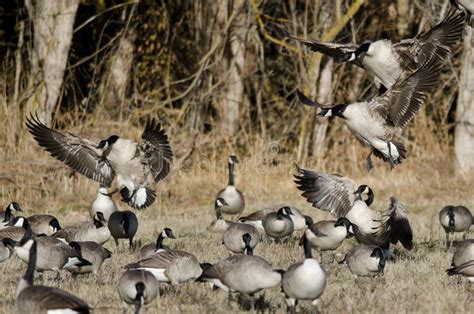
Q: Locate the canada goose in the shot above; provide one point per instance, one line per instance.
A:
(44, 224)
(463, 260)
(342, 197)
(150, 249)
(173, 267)
(327, 235)
(7, 215)
(468, 7)
(244, 273)
(455, 219)
(18, 228)
(32, 298)
(305, 280)
(375, 122)
(220, 224)
(366, 260)
(233, 197)
(137, 287)
(6, 247)
(123, 225)
(233, 236)
(256, 218)
(91, 251)
(103, 203)
(95, 231)
(279, 224)
(388, 61)
(132, 164)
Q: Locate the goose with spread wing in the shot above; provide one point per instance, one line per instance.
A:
(375, 122)
(342, 197)
(134, 166)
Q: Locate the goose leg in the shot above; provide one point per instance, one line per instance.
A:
(315, 306)
(229, 297)
(370, 164)
(291, 305)
(130, 244)
(451, 242)
(446, 243)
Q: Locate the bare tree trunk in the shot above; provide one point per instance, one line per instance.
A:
(324, 96)
(464, 132)
(403, 16)
(53, 23)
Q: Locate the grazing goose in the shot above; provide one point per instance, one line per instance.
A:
(135, 166)
(123, 225)
(7, 215)
(375, 122)
(44, 224)
(279, 224)
(103, 203)
(17, 228)
(233, 197)
(468, 7)
(366, 260)
(463, 260)
(137, 287)
(455, 219)
(93, 252)
(95, 231)
(150, 249)
(173, 267)
(388, 61)
(220, 224)
(305, 280)
(256, 218)
(6, 247)
(32, 298)
(235, 234)
(342, 197)
(327, 235)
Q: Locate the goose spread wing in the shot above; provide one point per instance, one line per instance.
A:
(339, 52)
(329, 192)
(77, 153)
(157, 150)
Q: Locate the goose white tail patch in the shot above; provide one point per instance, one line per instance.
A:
(393, 151)
(61, 311)
(71, 262)
(140, 197)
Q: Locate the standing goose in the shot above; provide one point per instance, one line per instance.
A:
(342, 197)
(233, 197)
(366, 260)
(220, 224)
(93, 252)
(96, 231)
(327, 235)
(234, 239)
(150, 249)
(32, 298)
(256, 218)
(137, 287)
(463, 260)
(103, 203)
(44, 224)
(455, 219)
(7, 215)
(123, 225)
(135, 166)
(279, 225)
(388, 61)
(305, 280)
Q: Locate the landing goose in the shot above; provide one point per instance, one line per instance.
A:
(327, 235)
(123, 225)
(44, 224)
(375, 122)
(388, 61)
(305, 280)
(96, 231)
(137, 287)
(342, 197)
(232, 196)
(7, 214)
(455, 219)
(150, 249)
(91, 251)
(134, 166)
(220, 224)
(366, 260)
(103, 203)
(463, 260)
(32, 298)
(468, 7)
(278, 224)
(234, 239)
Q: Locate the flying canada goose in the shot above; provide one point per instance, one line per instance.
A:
(6, 247)
(463, 260)
(135, 166)
(468, 7)
(342, 197)
(123, 225)
(455, 219)
(95, 231)
(305, 280)
(220, 224)
(137, 287)
(18, 227)
(103, 203)
(233, 197)
(256, 218)
(150, 249)
(388, 61)
(375, 122)
(91, 251)
(279, 225)
(32, 298)
(242, 273)
(172, 266)
(7, 215)
(234, 235)
(44, 224)
(366, 260)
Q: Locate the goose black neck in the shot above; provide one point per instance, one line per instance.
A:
(370, 197)
(159, 242)
(28, 233)
(8, 214)
(230, 165)
(218, 214)
(307, 248)
(30, 270)
(98, 224)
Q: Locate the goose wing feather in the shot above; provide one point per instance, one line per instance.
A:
(157, 150)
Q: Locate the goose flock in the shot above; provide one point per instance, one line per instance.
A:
(406, 74)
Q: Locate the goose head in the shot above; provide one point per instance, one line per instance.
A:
(364, 190)
(361, 51)
(308, 221)
(380, 256)
(99, 219)
(54, 224)
(284, 212)
(233, 159)
(13, 206)
(344, 222)
(337, 110)
(167, 233)
(352, 230)
(247, 238)
(107, 143)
